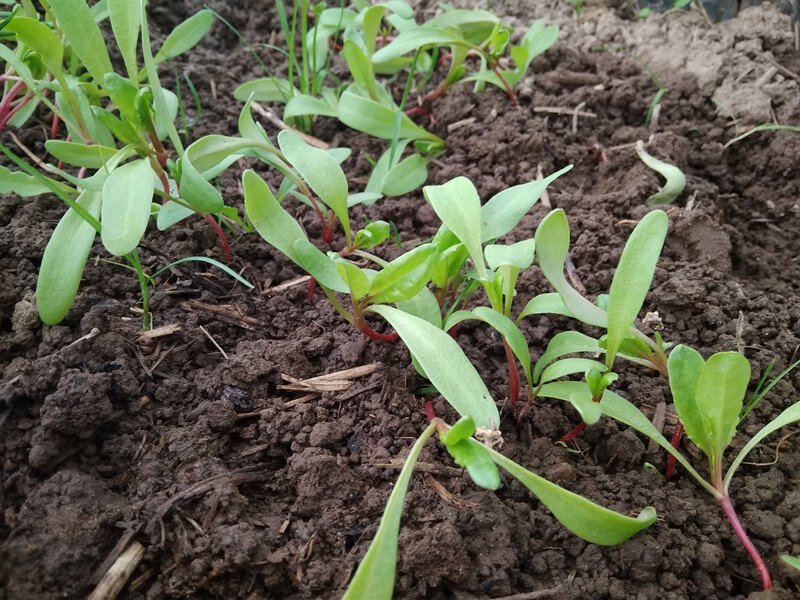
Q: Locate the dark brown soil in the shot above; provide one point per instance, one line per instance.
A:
(110, 436)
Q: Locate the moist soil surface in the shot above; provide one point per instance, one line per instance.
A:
(238, 488)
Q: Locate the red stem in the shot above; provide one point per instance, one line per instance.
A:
(513, 375)
(223, 239)
(5, 105)
(375, 336)
(312, 287)
(738, 529)
(575, 432)
(10, 115)
(677, 435)
(429, 412)
(54, 126)
(509, 91)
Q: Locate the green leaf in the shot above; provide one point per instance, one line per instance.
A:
(127, 194)
(792, 561)
(406, 176)
(548, 303)
(569, 366)
(126, 22)
(505, 210)
(266, 89)
(365, 115)
(319, 265)
(79, 155)
(76, 21)
(171, 213)
(40, 39)
(248, 128)
(322, 173)
(413, 39)
(404, 276)
(22, 184)
(633, 277)
(375, 575)
(685, 365)
(519, 255)
(301, 105)
(354, 277)
(214, 153)
(584, 518)
(576, 393)
(475, 458)
(356, 56)
(423, 305)
(675, 179)
(447, 367)
(64, 259)
(566, 342)
(504, 326)
(196, 191)
(185, 36)
(459, 207)
(552, 245)
(720, 393)
(373, 234)
(123, 94)
(268, 217)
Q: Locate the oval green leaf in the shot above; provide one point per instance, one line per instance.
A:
(127, 194)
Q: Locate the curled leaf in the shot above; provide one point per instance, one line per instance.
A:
(675, 179)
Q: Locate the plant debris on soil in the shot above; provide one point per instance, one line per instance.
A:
(208, 445)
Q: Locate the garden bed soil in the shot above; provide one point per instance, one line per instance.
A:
(238, 490)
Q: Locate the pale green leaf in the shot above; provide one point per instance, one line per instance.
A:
(675, 179)
(404, 276)
(127, 194)
(685, 365)
(266, 89)
(459, 207)
(633, 277)
(552, 245)
(413, 39)
(196, 191)
(406, 176)
(566, 342)
(319, 265)
(366, 115)
(91, 156)
(582, 517)
(569, 366)
(76, 21)
(126, 22)
(22, 184)
(321, 172)
(548, 303)
(505, 210)
(720, 395)
(578, 394)
(445, 364)
(186, 35)
(423, 305)
(519, 255)
(64, 259)
(268, 217)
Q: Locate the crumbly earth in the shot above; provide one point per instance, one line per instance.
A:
(237, 492)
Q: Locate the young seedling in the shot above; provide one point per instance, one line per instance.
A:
(615, 313)
(709, 399)
(675, 180)
(467, 232)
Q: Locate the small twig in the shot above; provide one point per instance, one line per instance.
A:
(777, 451)
(533, 595)
(93, 333)
(573, 275)
(575, 115)
(287, 285)
(545, 197)
(213, 341)
(567, 112)
(118, 574)
(158, 332)
(458, 124)
(29, 153)
(280, 124)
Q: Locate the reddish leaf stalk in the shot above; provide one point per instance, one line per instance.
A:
(5, 104)
(429, 412)
(10, 114)
(312, 287)
(376, 336)
(738, 529)
(677, 435)
(54, 126)
(576, 431)
(507, 87)
(223, 239)
(513, 375)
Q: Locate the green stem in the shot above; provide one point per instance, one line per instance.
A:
(144, 286)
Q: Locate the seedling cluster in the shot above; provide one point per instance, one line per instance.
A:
(113, 148)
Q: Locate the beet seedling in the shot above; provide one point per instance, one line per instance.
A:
(709, 398)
